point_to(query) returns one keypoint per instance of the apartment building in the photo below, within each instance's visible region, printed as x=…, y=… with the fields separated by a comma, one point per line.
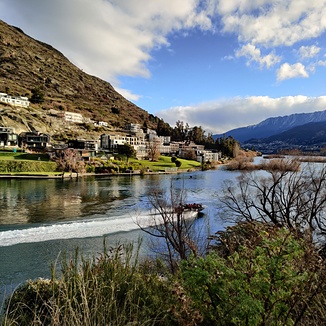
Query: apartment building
x=21, y=101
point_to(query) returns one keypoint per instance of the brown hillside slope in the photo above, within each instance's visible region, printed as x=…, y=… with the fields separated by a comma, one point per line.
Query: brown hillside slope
x=26, y=63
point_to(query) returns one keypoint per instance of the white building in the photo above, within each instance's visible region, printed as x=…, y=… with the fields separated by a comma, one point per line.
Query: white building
x=73, y=117
x=133, y=128
x=21, y=101
x=205, y=156
x=101, y=124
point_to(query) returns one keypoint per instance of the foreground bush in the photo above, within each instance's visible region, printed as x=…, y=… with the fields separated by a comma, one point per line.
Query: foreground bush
x=254, y=274
x=109, y=290
x=257, y=275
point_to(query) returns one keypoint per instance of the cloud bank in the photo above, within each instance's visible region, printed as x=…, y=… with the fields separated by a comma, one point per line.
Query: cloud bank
x=112, y=38
x=224, y=115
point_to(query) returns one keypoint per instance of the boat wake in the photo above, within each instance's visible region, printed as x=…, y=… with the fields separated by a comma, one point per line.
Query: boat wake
x=69, y=230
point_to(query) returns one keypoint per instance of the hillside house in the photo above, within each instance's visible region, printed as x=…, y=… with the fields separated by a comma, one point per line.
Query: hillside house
x=8, y=137
x=83, y=144
x=34, y=140
x=101, y=124
x=21, y=101
x=133, y=128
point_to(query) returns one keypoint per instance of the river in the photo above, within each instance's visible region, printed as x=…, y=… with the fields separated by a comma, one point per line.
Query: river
x=40, y=220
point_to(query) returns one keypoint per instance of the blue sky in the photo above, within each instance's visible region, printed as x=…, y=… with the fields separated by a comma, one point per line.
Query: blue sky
x=219, y=64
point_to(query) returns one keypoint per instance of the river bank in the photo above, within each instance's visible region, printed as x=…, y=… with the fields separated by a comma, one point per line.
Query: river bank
x=75, y=175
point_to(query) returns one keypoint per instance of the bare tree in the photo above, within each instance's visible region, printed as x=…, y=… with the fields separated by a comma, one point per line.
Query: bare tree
x=153, y=150
x=169, y=222
x=69, y=160
x=296, y=200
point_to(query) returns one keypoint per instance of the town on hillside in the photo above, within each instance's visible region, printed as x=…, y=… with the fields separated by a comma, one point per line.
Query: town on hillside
x=146, y=143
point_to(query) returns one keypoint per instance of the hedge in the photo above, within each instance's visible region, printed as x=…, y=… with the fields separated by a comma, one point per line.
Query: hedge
x=27, y=166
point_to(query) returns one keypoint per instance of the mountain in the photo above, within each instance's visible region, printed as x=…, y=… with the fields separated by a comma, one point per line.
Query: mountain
x=26, y=64
x=273, y=126
x=312, y=134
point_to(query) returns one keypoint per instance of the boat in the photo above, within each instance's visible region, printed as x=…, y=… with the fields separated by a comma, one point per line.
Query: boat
x=187, y=211
x=193, y=207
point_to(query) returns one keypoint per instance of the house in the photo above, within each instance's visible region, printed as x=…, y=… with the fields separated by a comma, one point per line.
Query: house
x=101, y=124
x=111, y=142
x=8, y=137
x=133, y=128
x=86, y=148
x=83, y=144
x=34, y=140
x=21, y=101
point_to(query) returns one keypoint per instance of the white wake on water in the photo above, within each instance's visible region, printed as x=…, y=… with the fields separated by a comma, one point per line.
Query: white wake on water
x=70, y=230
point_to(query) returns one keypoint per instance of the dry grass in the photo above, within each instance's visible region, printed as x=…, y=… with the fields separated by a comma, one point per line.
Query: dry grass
x=279, y=164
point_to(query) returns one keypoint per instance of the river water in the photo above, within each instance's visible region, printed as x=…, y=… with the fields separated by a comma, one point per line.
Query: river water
x=42, y=219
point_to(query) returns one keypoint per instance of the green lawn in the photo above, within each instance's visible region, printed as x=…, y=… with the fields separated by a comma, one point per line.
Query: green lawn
x=11, y=156
x=165, y=162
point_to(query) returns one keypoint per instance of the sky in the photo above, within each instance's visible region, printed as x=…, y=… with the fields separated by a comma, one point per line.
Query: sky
x=218, y=64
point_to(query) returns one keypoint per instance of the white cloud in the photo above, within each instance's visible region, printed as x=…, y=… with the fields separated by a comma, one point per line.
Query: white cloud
x=223, y=115
x=107, y=38
x=127, y=94
x=308, y=51
x=273, y=22
x=287, y=71
x=253, y=54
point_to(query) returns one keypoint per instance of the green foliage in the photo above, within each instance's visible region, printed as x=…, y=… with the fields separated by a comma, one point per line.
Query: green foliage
x=37, y=96
x=178, y=163
x=163, y=128
x=173, y=159
x=26, y=166
x=228, y=146
x=112, y=289
x=268, y=283
x=255, y=274
x=127, y=150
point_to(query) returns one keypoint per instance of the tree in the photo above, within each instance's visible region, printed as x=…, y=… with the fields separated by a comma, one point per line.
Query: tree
x=190, y=154
x=163, y=128
x=197, y=135
x=180, y=131
x=169, y=223
x=227, y=146
x=69, y=160
x=37, y=96
x=177, y=163
x=127, y=150
x=153, y=150
x=295, y=200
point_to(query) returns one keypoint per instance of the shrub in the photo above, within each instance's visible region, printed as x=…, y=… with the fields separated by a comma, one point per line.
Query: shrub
x=177, y=163
x=277, y=279
x=27, y=166
x=37, y=96
x=112, y=289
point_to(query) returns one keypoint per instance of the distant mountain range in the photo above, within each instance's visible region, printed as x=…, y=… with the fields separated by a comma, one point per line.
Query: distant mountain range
x=285, y=128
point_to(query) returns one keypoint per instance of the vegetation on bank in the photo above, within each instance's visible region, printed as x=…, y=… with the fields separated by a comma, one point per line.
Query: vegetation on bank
x=253, y=274
x=20, y=162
